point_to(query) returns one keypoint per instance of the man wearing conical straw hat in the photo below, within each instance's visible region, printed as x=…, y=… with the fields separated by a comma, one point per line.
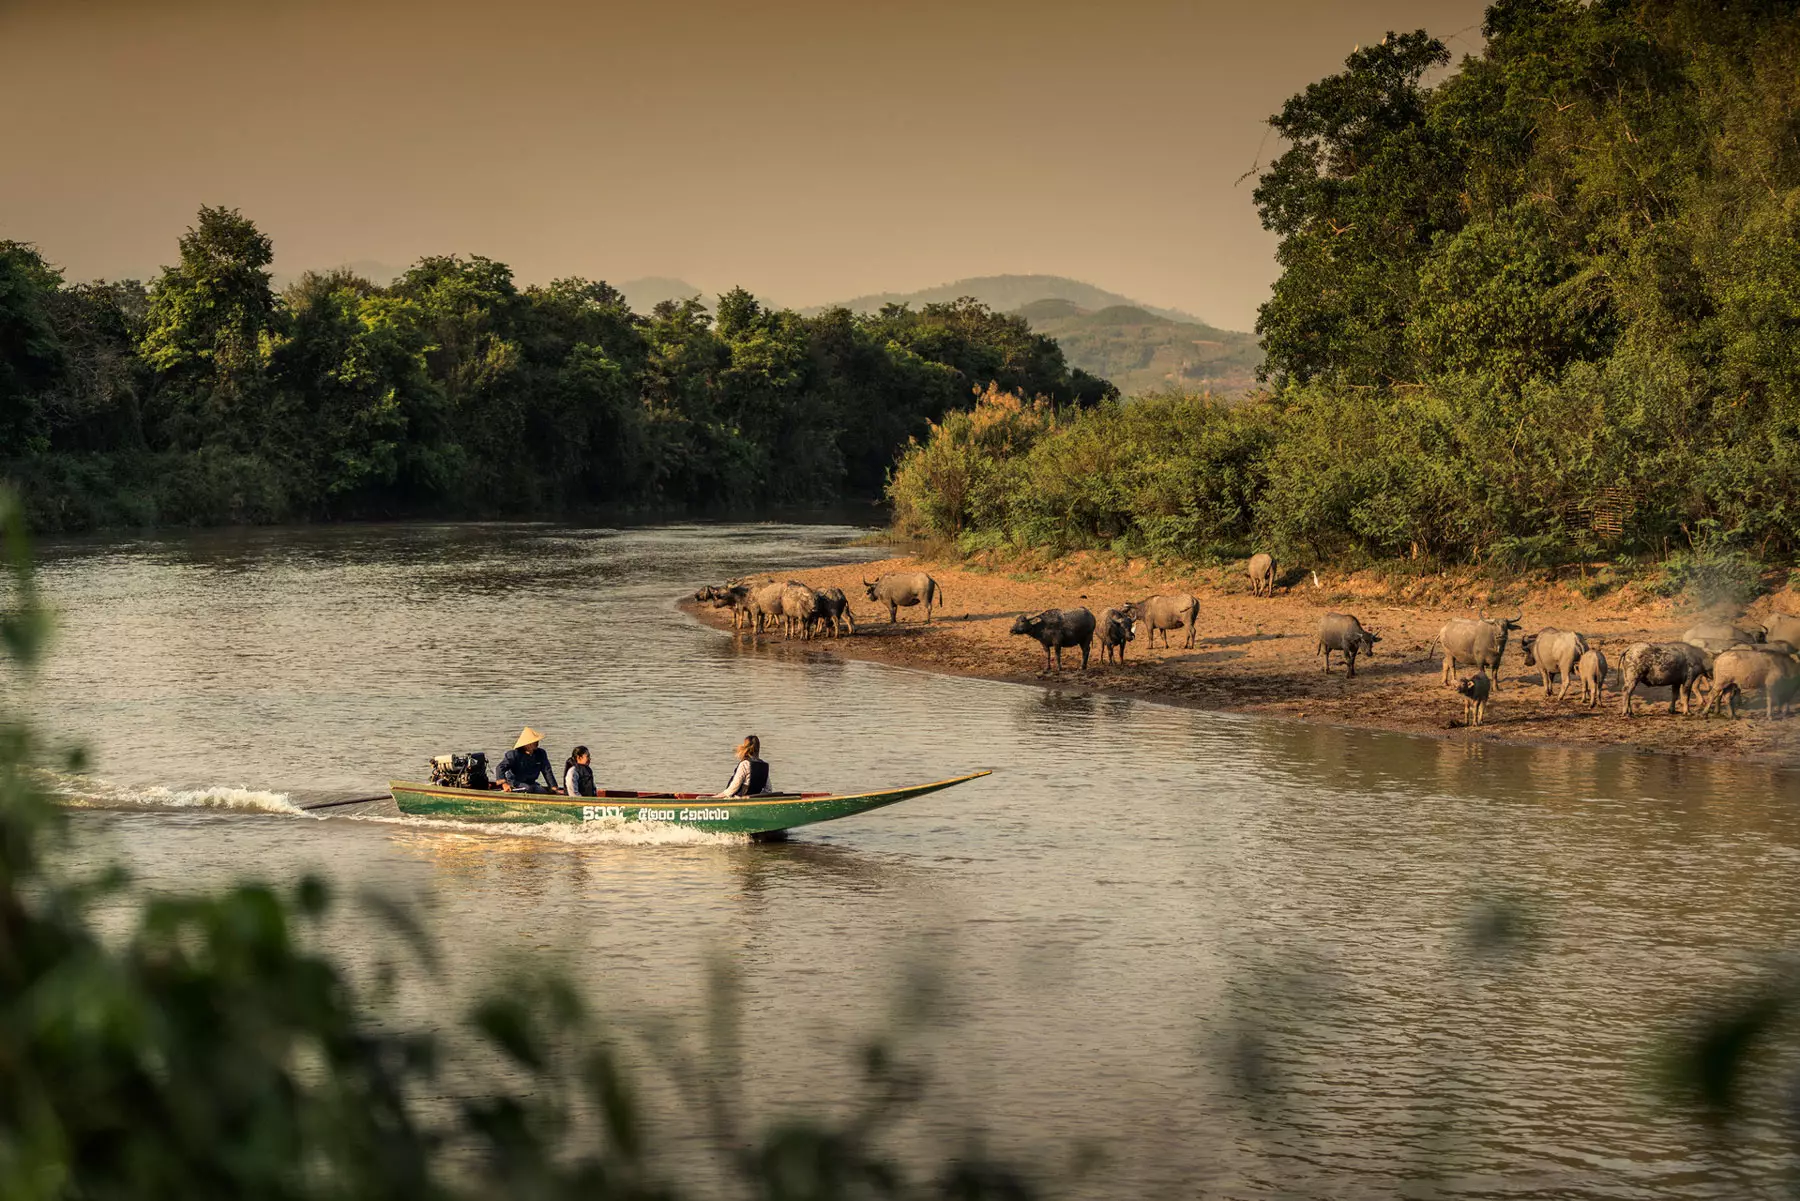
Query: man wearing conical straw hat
x=526, y=768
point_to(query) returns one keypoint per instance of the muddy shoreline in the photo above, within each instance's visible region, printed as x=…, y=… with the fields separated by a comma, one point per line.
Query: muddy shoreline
x=1257, y=654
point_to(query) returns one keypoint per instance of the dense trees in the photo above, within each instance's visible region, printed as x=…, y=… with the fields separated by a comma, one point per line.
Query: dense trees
x=210, y=397
x=1545, y=307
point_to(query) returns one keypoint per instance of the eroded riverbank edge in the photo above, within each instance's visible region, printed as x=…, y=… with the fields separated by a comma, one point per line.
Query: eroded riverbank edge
x=1256, y=655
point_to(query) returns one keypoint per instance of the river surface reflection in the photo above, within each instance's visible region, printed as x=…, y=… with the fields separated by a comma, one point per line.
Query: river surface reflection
x=1136, y=891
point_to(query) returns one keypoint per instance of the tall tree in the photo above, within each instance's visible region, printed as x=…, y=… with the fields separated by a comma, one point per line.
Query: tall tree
x=31, y=355
x=207, y=333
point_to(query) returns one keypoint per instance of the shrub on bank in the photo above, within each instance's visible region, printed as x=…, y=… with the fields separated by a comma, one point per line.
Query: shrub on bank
x=1608, y=461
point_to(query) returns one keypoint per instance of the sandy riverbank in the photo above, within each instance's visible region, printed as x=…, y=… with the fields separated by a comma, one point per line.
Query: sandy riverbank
x=1257, y=654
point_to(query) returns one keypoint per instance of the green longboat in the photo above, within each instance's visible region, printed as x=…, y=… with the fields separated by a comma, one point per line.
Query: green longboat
x=765, y=817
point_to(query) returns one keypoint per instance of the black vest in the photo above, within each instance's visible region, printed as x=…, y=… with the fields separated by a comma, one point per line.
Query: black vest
x=584, y=779
x=759, y=778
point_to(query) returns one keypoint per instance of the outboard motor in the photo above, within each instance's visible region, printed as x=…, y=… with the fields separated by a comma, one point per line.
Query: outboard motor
x=461, y=771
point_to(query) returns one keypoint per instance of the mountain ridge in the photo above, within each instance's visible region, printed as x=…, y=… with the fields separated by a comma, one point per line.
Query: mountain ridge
x=1008, y=293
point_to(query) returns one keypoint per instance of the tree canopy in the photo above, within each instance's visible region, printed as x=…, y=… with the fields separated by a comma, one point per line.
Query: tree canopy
x=210, y=396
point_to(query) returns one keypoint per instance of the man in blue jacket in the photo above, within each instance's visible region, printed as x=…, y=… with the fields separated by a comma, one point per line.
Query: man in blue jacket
x=523, y=767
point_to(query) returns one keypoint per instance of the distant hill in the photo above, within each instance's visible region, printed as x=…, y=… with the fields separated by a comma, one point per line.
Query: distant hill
x=645, y=294
x=1139, y=347
x=1144, y=351
x=1006, y=293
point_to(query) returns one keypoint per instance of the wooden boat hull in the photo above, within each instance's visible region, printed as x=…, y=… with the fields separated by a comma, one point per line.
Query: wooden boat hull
x=763, y=816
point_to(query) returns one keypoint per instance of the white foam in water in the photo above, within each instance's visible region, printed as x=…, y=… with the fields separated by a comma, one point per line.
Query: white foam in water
x=91, y=792
x=612, y=831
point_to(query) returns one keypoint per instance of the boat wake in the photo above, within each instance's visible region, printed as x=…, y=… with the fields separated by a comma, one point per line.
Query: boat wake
x=90, y=792
x=606, y=832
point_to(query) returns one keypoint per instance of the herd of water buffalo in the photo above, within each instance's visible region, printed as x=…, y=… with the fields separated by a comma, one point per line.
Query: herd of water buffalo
x=1723, y=660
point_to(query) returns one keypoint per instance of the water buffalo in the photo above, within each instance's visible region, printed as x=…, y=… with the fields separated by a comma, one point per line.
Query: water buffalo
x=904, y=589
x=1745, y=669
x=1176, y=611
x=1478, y=641
x=834, y=610
x=1551, y=649
x=1343, y=633
x=1592, y=673
x=1114, y=629
x=1782, y=628
x=764, y=606
x=1262, y=575
x=1714, y=637
x=1057, y=628
x=735, y=597
x=1677, y=666
x=1474, y=690
x=799, y=609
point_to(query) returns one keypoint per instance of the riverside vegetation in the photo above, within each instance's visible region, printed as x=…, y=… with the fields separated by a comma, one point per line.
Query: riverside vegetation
x=1542, y=311
x=208, y=397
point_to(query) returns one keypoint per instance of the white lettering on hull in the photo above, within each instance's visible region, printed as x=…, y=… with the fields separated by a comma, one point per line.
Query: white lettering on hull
x=596, y=813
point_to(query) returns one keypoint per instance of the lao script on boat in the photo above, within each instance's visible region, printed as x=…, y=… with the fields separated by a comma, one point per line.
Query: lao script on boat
x=596, y=813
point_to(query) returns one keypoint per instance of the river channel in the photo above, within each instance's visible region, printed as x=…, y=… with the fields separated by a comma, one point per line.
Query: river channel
x=1137, y=895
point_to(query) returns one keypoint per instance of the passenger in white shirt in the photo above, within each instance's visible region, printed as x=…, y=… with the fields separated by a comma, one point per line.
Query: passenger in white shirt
x=752, y=775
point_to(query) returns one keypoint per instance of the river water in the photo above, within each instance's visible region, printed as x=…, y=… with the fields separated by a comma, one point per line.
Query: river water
x=1237, y=954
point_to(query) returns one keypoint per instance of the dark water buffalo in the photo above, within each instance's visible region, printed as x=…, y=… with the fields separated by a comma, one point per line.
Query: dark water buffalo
x=735, y=597
x=1262, y=575
x=1474, y=690
x=1114, y=631
x=1477, y=641
x=1676, y=666
x=1592, y=673
x=904, y=589
x=1714, y=637
x=834, y=610
x=1176, y=611
x=1551, y=649
x=1344, y=634
x=1057, y=628
x=1745, y=669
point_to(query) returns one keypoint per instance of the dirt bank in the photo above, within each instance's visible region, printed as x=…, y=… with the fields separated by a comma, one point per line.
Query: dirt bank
x=1257, y=654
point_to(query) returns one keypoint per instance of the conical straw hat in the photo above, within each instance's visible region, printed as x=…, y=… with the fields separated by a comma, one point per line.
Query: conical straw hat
x=526, y=737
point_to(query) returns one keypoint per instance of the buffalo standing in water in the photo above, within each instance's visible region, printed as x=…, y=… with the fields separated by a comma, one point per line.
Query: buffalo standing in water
x=735, y=597
x=904, y=589
x=1343, y=633
x=1057, y=628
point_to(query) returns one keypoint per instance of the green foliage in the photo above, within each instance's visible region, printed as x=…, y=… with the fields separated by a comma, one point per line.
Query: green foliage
x=1162, y=475
x=1540, y=310
x=208, y=398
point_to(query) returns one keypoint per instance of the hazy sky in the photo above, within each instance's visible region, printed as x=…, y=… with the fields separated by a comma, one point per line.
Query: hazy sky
x=809, y=151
